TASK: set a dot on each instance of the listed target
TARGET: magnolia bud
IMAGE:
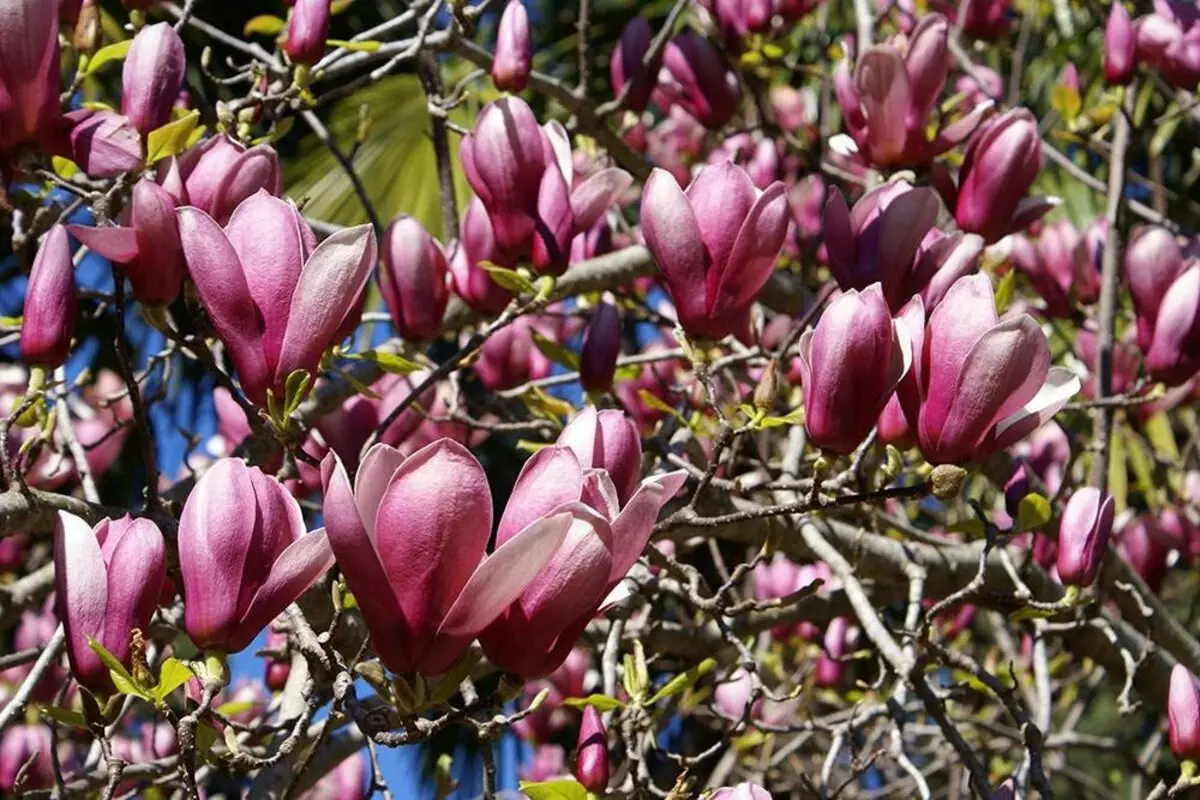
(1120, 45)
(510, 67)
(767, 389)
(591, 755)
(87, 28)
(1083, 536)
(152, 76)
(1183, 714)
(601, 346)
(947, 481)
(308, 28)
(49, 317)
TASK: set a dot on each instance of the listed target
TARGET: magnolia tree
(773, 398)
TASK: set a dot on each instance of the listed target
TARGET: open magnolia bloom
(978, 384)
(593, 463)
(277, 299)
(411, 540)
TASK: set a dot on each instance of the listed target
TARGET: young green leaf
(683, 681)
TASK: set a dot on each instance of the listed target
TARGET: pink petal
(752, 259)
(886, 96)
(632, 528)
(551, 478)
(221, 284)
(374, 475)
(299, 566)
(81, 589)
(593, 197)
(115, 244)
(673, 236)
(329, 284)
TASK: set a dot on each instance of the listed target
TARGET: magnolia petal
(374, 475)
(300, 565)
(115, 244)
(593, 197)
(1060, 386)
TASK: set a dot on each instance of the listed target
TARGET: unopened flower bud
(601, 347)
(49, 317)
(1183, 714)
(947, 481)
(591, 754)
(86, 35)
(767, 389)
(308, 28)
(514, 49)
(1083, 536)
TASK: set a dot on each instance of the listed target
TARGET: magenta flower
(29, 108)
(103, 143)
(696, 77)
(477, 245)
(1001, 163)
(1165, 284)
(410, 539)
(514, 49)
(524, 176)
(743, 791)
(1183, 714)
(217, 174)
(25, 751)
(1120, 47)
(850, 366)
(243, 554)
(152, 77)
(1059, 267)
(889, 238)
(277, 299)
(414, 279)
(625, 65)
(979, 384)
(107, 581)
(887, 103)
(591, 752)
(601, 348)
(308, 28)
(147, 247)
(715, 244)
(1169, 41)
(588, 470)
(1083, 536)
(48, 322)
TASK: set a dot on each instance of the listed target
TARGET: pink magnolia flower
(21, 744)
(308, 28)
(413, 279)
(147, 245)
(217, 174)
(1120, 47)
(625, 65)
(48, 322)
(152, 77)
(103, 143)
(1183, 714)
(1169, 40)
(887, 102)
(592, 470)
(243, 554)
(850, 365)
(696, 77)
(601, 348)
(29, 108)
(410, 538)
(1083, 536)
(1058, 270)
(743, 791)
(1164, 281)
(979, 384)
(514, 49)
(1003, 158)
(524, 176)
(716, 244)
(591, 752)
(889, 238)
(476, 246)
(107, 583)
(277, 299)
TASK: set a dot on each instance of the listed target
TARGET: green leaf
(546, 406)
(389, 362)
(554, 790)
(356, 47)
(264, 25)
(64, 716)
(683, 681)
(279, 130)
(1141, 462)
(299, 381)
(396, 142)
(972, 526)
(1066, 101)
(173, 674)
(107, 55)
(235, 707)
(509, 279)
(600, 702)
(64, 168)
(172, 138)
(115, 666)
(657, 403)
(1033, 512)
(555, 351)
(1004, 291)
(1118, 477)
(1164, 133)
